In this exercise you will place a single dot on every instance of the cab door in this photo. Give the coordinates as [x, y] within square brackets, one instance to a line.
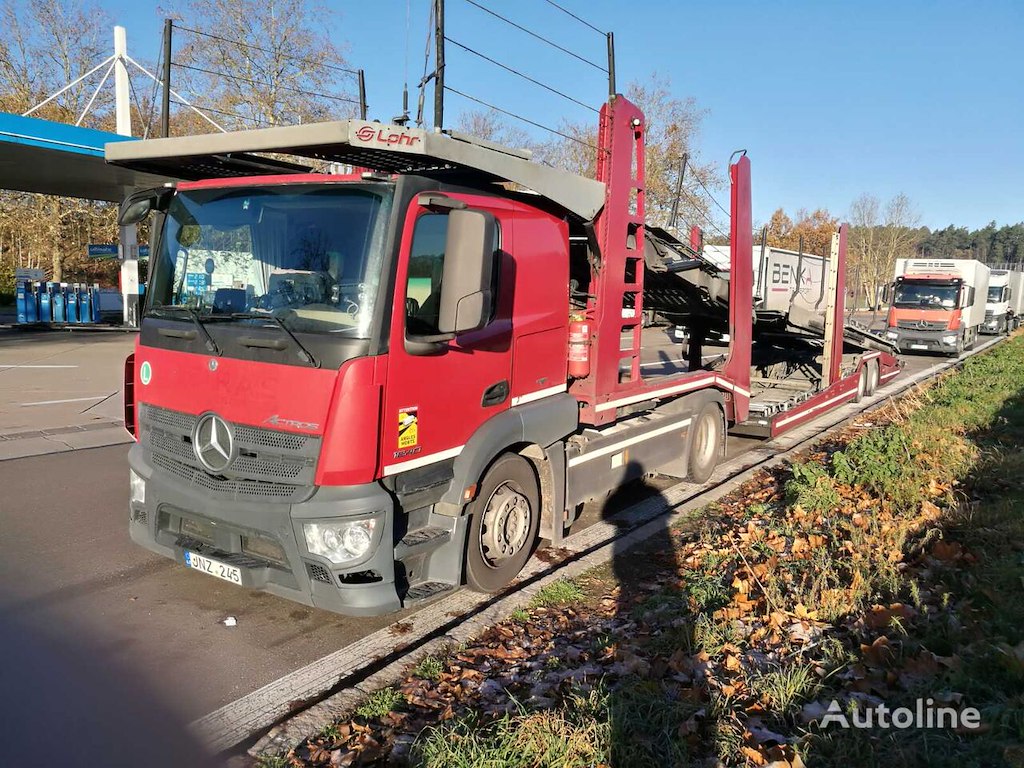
[439, 393]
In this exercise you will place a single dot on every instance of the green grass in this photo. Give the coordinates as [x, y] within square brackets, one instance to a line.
[429, 668]
[379, 703]
[784, 688]
[273, 761]
[949, 469]
[558, 593]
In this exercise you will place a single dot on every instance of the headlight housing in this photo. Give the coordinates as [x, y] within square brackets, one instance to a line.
[340, 542]
[138, 487]
[891, 335]
[951, 339]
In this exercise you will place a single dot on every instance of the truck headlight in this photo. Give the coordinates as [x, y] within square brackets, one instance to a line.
[891, 335]
[138, 487]
[339, 542]
[951, 340]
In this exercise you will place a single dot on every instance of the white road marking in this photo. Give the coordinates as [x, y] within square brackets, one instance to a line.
[69, 400]
[8, 367]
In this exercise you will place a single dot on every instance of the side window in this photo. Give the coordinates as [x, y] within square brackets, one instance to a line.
[426, 266]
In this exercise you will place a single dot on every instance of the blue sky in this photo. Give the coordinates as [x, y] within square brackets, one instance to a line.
[831, 99]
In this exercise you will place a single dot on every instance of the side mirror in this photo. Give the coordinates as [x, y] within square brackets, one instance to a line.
[138, 205]
[467, 276]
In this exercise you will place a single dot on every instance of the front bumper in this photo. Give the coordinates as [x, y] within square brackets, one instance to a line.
[940, 341]
[265, 539]
[994, 324]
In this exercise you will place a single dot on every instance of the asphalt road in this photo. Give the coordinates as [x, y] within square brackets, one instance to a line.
[67, 562]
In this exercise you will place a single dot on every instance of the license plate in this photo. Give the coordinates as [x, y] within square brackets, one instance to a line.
[213, 567]
[919, 346]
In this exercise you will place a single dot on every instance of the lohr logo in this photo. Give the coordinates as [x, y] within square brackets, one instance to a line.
[386, 136]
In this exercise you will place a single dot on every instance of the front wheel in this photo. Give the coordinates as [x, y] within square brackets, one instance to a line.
[504, 520]
[706, 443]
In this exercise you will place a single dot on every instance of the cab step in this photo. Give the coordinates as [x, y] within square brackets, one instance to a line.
[426, 590]
[421, 541]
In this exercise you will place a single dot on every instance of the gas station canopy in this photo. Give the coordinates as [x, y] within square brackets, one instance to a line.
[67, 160]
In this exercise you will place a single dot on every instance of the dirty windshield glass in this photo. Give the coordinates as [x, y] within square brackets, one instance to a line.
[926, 295]
[995, 293]
[309, 254]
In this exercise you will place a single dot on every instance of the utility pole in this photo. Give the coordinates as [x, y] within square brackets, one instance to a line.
[362, 96]
[438, 64]
[129, 249]
[165, 115]
[674, 216]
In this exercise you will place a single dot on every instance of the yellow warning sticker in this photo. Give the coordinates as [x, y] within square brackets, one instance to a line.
[408, 427]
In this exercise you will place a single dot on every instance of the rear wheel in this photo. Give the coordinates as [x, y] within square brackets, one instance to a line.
[862, 384]
[872, 383]
[706, 443]
[504, 519]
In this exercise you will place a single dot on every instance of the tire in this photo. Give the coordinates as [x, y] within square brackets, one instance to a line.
[872, 384]
[862, 384]
[706, 443]
[504, 520]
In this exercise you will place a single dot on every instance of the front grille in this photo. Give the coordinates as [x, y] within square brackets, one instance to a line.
[269, 464]
[922, 325]
[235, 489]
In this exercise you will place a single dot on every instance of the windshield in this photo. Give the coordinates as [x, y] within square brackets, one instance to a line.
[995, 293]
[926, 295]
[309, 254]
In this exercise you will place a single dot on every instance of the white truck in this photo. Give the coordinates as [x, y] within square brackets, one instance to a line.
[938, 305]
[1005, 301]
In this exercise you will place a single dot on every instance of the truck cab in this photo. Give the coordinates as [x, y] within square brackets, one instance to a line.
[937, 306]
[1004, 303]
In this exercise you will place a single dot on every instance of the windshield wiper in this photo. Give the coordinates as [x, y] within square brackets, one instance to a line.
[193, 315]
[304, 354]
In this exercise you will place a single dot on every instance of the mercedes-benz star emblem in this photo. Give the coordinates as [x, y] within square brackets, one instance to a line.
[213, 443]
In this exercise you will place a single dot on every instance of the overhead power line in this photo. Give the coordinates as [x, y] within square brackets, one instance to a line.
[216, 111]
[713, 198]
[533, 34]
[549, 129]
[584, 22]
[263, 84]
[520, 74]
[243, 44]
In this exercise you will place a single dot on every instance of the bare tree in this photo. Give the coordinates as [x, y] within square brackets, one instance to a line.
[261, 62]
[672, 128]
[878, 236]
[490, 125]
[45, 45]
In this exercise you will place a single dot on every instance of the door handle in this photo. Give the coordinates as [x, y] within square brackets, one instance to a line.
[496, 394]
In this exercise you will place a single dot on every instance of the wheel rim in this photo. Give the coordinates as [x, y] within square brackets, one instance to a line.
[505, 526]
[704, 441]
[861, 385]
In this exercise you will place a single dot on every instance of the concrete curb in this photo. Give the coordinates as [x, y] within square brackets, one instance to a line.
[339, 681]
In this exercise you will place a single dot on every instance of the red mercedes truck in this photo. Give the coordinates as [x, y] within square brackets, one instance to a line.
[361, 391]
